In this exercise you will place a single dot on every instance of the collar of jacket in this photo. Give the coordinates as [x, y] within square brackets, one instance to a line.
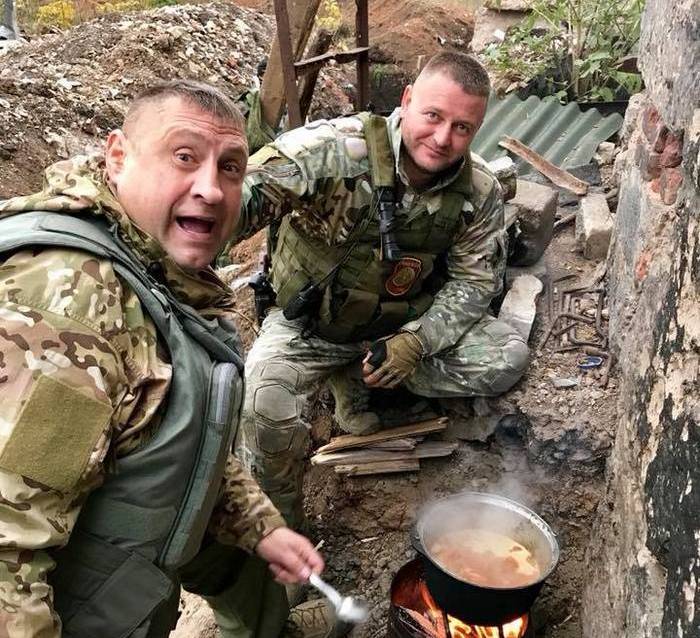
[77, 186]
[393, 127]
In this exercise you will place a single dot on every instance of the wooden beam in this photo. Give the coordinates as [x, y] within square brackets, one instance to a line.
[556, 175]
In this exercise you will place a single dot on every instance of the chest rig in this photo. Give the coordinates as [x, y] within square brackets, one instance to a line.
[384, 275]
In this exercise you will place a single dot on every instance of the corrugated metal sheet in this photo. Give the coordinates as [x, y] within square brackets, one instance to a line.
[563, 134]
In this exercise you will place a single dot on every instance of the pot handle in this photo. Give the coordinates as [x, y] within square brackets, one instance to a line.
[417, 543]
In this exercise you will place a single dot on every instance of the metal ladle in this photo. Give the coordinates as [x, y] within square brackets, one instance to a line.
[347, 608]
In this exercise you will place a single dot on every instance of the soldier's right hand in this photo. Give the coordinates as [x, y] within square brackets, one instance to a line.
[291, 556]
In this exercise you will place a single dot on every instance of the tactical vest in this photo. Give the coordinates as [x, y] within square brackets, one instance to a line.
[367, 297]
[117, 575]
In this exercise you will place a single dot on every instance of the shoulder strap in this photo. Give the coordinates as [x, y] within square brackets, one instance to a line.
[380, 155]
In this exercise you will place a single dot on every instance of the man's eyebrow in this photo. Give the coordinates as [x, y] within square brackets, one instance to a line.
[192, 135]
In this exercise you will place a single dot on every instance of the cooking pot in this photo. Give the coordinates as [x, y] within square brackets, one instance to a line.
[478, 604]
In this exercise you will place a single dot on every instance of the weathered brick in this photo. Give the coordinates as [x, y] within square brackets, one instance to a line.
[669, 183]
[649, 163]
[594, 226]
[654, 128]
[672, 154]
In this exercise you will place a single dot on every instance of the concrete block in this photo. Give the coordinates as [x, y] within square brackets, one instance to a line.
[594, 226]
[534, 207]
[538, 269]
[518, 309]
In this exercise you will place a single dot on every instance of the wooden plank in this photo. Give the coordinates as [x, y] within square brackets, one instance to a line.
[291, 90]
[314, 64]
[362, 456]
[426, 450]
[362, 41]
[382, 467]
[351, 440]
[556, 175]
[435, 449]
[396, 445]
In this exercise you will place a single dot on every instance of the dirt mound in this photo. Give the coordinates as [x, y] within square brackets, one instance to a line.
[61, 93]
[400, 32]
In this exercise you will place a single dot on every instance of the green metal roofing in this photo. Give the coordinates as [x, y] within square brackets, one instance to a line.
[562, 133]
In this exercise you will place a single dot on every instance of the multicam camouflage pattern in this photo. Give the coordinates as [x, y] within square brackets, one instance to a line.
[320, 175]
[74, 343]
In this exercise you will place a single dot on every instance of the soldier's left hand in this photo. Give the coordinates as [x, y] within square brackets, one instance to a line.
[291, 557]
[390, 361]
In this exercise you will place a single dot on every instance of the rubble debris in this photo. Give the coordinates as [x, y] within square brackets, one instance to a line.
[505, 171]
[534, 207]
[538, 269]
[594, 226]
[605, 153]
[518, 309]
[556, 175]
[562, 383]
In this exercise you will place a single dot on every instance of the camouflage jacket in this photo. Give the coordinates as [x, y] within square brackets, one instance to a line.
[320, 174]
[67, 314]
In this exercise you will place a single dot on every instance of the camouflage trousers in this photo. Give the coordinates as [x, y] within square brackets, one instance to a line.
[284, 367]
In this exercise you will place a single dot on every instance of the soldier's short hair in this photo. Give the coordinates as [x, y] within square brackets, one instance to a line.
[464, 69]
[205, 96]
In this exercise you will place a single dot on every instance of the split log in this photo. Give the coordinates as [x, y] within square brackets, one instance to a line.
[352, 440]
[397, 444]
[381, 467]
[556, 175]
[429, 449]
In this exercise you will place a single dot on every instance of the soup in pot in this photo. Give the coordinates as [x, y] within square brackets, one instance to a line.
[485, 558]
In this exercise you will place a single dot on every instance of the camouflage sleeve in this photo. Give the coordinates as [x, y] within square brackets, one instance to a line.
[244, 514]
[475, 268]
[305, 170]
[58, 379]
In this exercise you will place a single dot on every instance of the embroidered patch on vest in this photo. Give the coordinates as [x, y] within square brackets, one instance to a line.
[406, 271]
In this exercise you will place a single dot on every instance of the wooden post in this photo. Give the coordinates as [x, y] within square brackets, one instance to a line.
[362, 40]
[300, 17]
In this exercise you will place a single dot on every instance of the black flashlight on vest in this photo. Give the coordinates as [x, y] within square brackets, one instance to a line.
[306, 302]
[386, 205]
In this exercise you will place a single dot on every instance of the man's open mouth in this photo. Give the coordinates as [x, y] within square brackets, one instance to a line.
[198, 225]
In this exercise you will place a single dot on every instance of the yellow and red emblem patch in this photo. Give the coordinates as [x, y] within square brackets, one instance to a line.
[405, 274]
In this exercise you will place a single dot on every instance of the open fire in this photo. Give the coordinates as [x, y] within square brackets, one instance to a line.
[414, 613]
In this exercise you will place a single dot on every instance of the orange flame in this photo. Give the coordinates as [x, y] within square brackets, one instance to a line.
[458, 629]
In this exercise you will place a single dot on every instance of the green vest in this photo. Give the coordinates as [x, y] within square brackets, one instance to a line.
[367, 297]
[117, 575]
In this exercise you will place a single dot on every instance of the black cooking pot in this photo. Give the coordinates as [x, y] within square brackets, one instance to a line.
[477, 604]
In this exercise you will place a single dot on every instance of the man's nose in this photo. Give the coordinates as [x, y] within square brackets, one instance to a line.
[442, 133]
[207, 183]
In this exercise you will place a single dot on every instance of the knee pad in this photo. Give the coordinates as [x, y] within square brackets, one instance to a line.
[516, 355]
[276, 405]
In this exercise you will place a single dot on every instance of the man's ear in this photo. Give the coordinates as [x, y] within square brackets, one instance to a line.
[406, 97]
[115, 154]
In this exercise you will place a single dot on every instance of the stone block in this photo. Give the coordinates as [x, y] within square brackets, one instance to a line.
[670, 181]
[672, 155]
[594, 226]
[518, 308]
[534, 206]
